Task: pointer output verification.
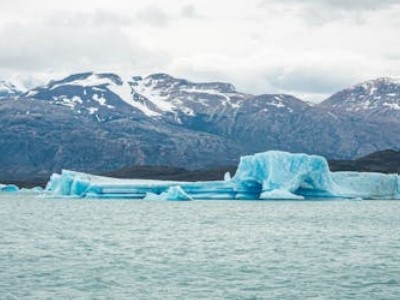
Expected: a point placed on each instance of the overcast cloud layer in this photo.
(306, 48)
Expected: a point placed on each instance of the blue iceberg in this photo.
(9, 188)
(174, 193)
(283, 175)
(12, 188)
(272, 175)
(71, 183)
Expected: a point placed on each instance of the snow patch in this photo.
(372, 90)
(150, 92)
(125, 92)
(90, 81)
(101, 100)
(92, 110)
(226, 96)
(70, 102)
(395, 106)
(392, 95)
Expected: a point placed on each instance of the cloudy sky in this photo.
(309, 48)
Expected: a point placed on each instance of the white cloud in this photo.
(260, 46)
(190, 11)
(154, 15)
(318, 12)
(51, 47)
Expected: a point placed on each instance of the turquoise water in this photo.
(67, 249)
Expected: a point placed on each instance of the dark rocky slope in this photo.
(102, 122)
(386, 161)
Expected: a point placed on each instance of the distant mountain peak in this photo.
(161, 76)
(8, 90)
(389, 79)
(375, 97)
(88, 79)
(168, 79)
(372, 84)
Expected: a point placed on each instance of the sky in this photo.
(308, 48)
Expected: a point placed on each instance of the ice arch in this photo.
(283, 175)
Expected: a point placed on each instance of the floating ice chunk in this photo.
(174, 193)
(9, 188)
(227, 176)
(12, 188)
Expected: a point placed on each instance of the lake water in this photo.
(67, 249)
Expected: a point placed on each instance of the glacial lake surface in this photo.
(90, 249)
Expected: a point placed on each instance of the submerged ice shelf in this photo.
(271, 175)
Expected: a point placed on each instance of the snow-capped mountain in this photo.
(103, 121)
(379, 98)
(212, 107)
(99, 96)
(8, 90)
(175, 98)
(153, 96)
(158, 96)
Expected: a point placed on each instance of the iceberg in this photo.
(34, 190)
(174, 193)
(12, 188)
(9, 188)
(271, 175)
(71, 183)
(367, 185)
(283, 175)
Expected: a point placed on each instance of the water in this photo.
(66, 249)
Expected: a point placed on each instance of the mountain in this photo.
(9, 90)
(377, 99)
(38, 138)
(92, 122)
(99, 122)
(385, 161)
(263, 122)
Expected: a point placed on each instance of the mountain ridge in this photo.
(377, 98)
(102, 121)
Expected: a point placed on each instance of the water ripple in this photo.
(200, 250)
